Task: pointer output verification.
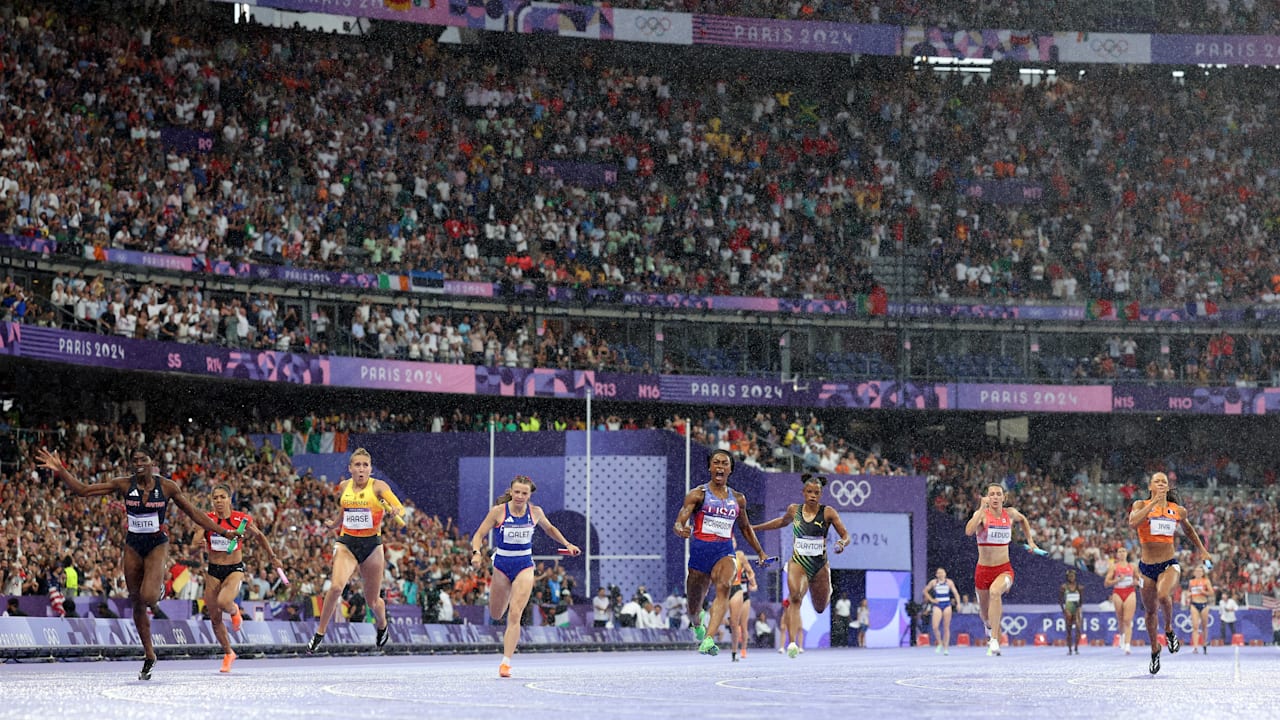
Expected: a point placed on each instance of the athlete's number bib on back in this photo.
(217, 543)
(520, 535)
(810, 546)
(1163, 526)
(718, 526)
(357, 519)
(144, 524)
(999, 535)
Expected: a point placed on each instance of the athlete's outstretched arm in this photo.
(541, 518)
(51, 461)
(778, 522)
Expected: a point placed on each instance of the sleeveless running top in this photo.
(1199, 588)
(1161, 526)
(809, 548)
(942, 594)
(361, 510)
(218, 543)
(145, 509)
(998, 530)
(1124, 576)
(714, 521)
(515, 533)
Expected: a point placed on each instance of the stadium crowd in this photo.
(784, 188)
(725, 184)
(1076, 503)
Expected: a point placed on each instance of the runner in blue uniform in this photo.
(715, 509)
(514, 519)
(941, 593)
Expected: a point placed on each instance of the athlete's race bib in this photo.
(1124, 581)
(357, 519)
(810, 546)
(1073, 597)
(999, 535)
(217, 543)
(519, 535)
(718, 526)
(1163, 526)
(144, 524)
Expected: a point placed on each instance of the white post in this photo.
(492, 450)
(586, 541)
(688, 473)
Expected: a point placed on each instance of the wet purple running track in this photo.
(1041, 683)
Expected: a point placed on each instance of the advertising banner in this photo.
(1034, 398)
(652, 26)
(1253, 624)
(110, 351)
(1215, 49)
(795, 35)
(1108, 48)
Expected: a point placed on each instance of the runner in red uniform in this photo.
(1122, 578)
(226, 568)
(992, 524)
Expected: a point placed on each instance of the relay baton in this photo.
(235, 541)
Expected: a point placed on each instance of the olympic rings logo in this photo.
(851, 492)
(1013, 625)
(1114, 48)
(1183, 622)
(649, 25)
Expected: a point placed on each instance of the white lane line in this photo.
(337, 690)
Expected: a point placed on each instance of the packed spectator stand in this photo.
(730, 187)
(779, 187)
(1075, 501)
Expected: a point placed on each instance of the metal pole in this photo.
(688, 460)
(492, 450)
(586, 544)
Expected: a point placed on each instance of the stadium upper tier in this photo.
(660, 176)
